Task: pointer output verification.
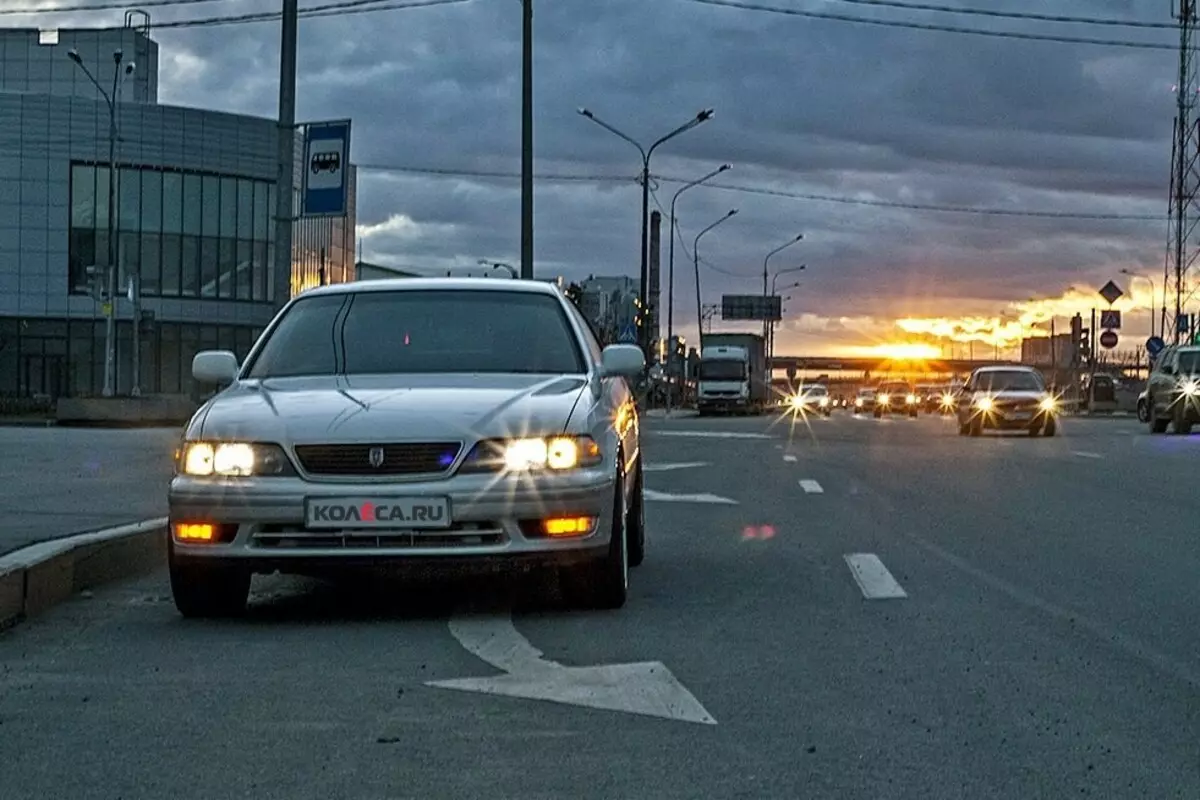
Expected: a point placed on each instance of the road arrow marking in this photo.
(789, 458)
(646, 688)
(669, 467)
(873, 577)
(663, 497)
(713, 434)
(811, 487)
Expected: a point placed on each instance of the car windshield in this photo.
(425, 331)
(722, 370)
(1008, 381)
(815, 390)
(894, 388)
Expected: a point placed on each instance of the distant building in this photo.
(611, 304)
(375, 272)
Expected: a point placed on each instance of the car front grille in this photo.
(1011, 406)
(364, 460)
(297, 537)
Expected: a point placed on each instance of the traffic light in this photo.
(1085, 346)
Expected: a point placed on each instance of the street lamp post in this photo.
(1150, 281)
(646, 152)
(671, 266)
(696, 266)
(774, 278)
(499, 265)
(790, 242)
(110, 341)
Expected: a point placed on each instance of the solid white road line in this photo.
(36, 553)
(811, 487)
(646, 688)
(873, 577)
(663, 497)
(713, 434)
(789, 458)
(669, 467)
(1085, 454)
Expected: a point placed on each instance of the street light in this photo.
(646, 152)
(696, 265)
(499, 265)
(110, 342)
(1148, 280)
(671, 261)
(774, 278)
(781, 247)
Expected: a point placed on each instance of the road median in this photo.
(40, 576)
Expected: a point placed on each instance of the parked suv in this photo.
(1173, 391)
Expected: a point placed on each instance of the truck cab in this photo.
(723, 383)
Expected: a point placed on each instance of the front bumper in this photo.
(265, 518)
(1012, 421)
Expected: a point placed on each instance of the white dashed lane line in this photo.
(811, 487)
(873, 577)
(789, 458)
(1085, 454)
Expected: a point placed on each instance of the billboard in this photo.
(752, 306)
(326, 168)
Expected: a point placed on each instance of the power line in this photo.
(5, 12)
(338, 9)
(922, 26)
(759, 190)
(1022, 15)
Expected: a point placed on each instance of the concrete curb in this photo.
(40, 576)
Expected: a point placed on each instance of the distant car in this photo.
(1173, 390)
(459, 424)
(813, 399)
(896, 397)
(1007, 398)
(864, 401)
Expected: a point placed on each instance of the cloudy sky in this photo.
(831, 127)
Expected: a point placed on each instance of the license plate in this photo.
(1021, 415)
(407, 513)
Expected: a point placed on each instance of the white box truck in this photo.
(732, 376)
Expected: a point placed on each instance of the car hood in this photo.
(1012, 395)
(389, 407)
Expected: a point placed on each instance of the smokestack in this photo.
(653, 333)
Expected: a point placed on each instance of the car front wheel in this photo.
(603, 584)
(206, 591)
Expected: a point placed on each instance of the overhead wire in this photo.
(760, 190)
(342, 8)
(109, 6)
(928, 26)
(1015, 15)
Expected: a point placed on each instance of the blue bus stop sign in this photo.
(1155, 345)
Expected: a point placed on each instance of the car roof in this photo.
(427, 284)
(1012, 368)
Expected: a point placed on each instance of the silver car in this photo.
(433, 422)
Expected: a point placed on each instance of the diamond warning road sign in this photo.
(1110, 292)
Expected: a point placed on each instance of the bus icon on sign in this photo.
(328, 161)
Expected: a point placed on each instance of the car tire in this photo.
(209, 591)
(635, 520)
(878, 415)
(912, 414)
(1050, 428)
(1179, 421)
(975, 427)
(1156, 425)
(603, 584)
(963, 429)
(1143, 413)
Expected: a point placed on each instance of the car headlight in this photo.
(912, 398)
(1190, 388)
(797, 401)
(984, 404)
(1048, 404)
(947, 399)
(532, 454)
(884, 399)
(233, 459)
(858, 401)
(824, 401)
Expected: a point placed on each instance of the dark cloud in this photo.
(802, 106)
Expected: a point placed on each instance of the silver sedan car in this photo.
(434, 422)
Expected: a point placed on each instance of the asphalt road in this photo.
(1030, 635)
(59, 481)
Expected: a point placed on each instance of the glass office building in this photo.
(192, 213)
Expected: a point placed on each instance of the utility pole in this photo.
(135, 297)
(1185, 180)
(285, 181)
(527, 139)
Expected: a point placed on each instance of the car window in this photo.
(435, 331)
(722, 370)
(1009, 381)
(1189, 362)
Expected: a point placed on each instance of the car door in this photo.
(1162, 381)
(615, 404)
(964, 398)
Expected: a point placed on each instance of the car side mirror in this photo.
(215, 366)
(622, 360)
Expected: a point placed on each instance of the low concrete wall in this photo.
(164, 409)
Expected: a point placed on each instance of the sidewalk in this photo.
(58, 481)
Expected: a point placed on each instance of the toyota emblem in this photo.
(375, 456)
